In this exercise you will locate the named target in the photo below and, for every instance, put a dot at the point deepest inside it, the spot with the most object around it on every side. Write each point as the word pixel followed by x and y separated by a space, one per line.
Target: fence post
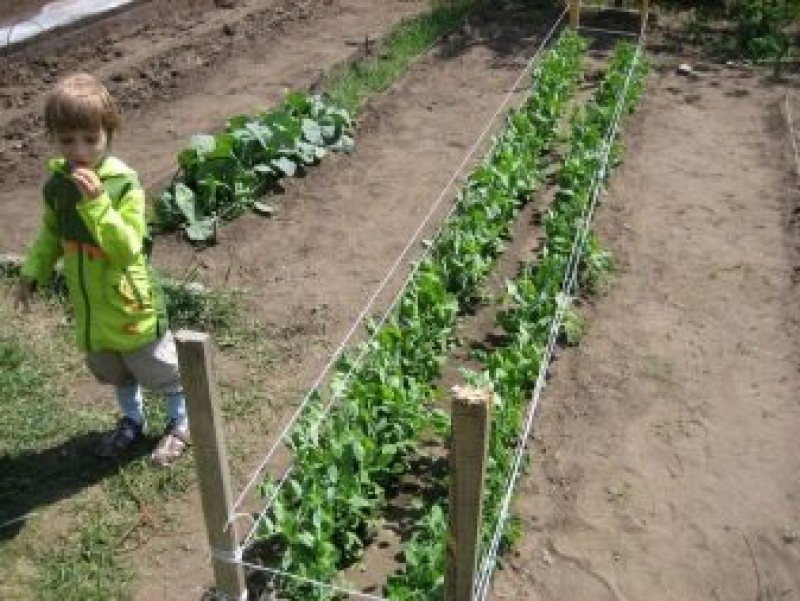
pixel 574 12
pixel 471 419
pixel 195 355
pixel 645 9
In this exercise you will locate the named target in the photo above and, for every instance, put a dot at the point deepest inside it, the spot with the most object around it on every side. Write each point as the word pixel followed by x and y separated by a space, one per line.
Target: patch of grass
pixel 190 305
pixel 351 86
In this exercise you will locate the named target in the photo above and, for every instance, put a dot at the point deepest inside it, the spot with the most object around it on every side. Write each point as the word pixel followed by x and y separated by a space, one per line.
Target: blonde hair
pixel 80 102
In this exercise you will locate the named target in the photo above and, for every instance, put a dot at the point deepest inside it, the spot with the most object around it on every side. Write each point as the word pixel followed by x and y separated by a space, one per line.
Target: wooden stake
pixel 574 12
pixel 195 355
pixel 471 416
pixel 645 9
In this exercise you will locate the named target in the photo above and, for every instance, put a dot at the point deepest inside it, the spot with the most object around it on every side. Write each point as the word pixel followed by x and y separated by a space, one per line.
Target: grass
pixel 352 85
pixel 66 518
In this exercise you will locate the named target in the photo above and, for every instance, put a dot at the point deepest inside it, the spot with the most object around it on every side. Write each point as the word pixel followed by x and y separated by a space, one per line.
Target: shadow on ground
pixel 36 479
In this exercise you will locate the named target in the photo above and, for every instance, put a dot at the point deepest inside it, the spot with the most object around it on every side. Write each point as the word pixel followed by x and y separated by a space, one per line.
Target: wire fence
pixel 488 561
pixel 564 300
pixel 358 323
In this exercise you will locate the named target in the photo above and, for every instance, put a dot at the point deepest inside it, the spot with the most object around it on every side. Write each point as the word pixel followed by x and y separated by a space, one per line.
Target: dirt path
pixel 666 463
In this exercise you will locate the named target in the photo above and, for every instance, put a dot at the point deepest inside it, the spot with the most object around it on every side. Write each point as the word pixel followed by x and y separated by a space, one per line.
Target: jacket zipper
pixel 85 299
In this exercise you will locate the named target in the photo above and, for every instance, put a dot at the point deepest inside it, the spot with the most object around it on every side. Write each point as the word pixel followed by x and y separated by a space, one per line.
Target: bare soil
pixel 665 456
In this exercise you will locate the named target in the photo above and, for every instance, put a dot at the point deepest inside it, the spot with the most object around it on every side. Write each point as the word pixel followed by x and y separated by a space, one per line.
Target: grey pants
pixel 153 366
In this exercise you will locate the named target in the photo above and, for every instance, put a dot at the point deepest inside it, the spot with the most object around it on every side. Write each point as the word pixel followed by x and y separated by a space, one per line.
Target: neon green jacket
pixel 118 304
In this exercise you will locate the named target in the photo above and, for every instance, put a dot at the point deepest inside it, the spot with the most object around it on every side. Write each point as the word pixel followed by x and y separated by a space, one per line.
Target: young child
pixel 94 217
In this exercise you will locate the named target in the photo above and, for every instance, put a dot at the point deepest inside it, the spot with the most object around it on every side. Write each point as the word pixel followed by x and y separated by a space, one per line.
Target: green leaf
pixel 202 143
pixel 287 166
pixel 184 199
pixel 307 539
pixel 203 230
pixel 312 132
pixel 263 208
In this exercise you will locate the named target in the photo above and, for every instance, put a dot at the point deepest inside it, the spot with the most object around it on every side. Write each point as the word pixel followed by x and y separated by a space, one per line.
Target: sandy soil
pixel 666 463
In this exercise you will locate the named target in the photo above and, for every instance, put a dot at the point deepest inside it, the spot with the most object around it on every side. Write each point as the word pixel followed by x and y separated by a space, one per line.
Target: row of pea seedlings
pixel 344 461
pixel 512 370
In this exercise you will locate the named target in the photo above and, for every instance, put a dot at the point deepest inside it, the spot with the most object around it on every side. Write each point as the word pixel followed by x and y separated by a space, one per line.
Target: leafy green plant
pixel 533 297
pixel 761 27
pixel 529 133
pixel 222 176
pixel 345 459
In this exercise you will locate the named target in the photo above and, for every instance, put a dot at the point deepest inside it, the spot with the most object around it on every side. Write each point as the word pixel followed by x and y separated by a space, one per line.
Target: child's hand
pixel 23 292
pixel 88 183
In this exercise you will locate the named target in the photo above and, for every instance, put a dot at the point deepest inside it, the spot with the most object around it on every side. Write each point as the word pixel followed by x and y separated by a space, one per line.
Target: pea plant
pixel 224 175
pixel 344 461
pixel 512 369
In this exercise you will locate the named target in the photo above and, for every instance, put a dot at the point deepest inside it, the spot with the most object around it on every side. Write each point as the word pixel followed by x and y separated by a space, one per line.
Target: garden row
pixel 221 176
pixel 512 369
pixel 345 459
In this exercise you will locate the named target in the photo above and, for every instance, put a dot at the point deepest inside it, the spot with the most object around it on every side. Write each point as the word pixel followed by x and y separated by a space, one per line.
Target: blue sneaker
pixel 119 440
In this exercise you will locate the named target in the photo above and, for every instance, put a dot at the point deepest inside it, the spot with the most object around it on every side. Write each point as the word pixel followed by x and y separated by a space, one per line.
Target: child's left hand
pixel 88 183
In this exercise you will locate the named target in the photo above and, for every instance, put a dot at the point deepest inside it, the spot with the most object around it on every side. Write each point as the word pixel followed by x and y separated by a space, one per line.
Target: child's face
pixel 81 148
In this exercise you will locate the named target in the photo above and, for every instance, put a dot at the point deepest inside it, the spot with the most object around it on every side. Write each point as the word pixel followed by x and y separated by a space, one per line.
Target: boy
pixel 94 217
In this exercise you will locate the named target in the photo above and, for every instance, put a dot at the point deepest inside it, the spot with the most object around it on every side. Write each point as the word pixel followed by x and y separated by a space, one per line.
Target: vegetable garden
pixel 354 440
pixel 408 470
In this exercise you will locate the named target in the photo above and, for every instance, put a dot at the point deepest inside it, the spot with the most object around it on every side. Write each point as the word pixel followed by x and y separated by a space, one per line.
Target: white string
pixel 18 519
pixel 487 565
pixel 412 241
pixel 793 136
pixel 251 534
pixel 232 556
pixel 236 516
pixel 310 581
pixel 609 31
pixel 601 7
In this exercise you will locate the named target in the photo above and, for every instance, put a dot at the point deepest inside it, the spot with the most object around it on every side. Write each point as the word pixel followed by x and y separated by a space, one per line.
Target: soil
pixel 665 453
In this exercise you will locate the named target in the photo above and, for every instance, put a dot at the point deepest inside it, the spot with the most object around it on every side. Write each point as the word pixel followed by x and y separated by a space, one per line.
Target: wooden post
pixel 195 355
pixel 574 12
pixel 471 414
pixel 645 9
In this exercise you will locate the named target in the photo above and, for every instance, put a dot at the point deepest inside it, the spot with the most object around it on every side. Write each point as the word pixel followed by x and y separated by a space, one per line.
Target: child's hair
pixel 80 102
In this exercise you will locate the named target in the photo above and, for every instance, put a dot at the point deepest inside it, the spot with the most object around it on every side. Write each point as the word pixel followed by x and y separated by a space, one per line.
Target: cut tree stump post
pixel 574 12
pixel 471 418
pixel 195 355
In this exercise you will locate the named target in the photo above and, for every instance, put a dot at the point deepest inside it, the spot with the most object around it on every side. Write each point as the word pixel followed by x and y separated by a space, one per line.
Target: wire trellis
pixel 488 561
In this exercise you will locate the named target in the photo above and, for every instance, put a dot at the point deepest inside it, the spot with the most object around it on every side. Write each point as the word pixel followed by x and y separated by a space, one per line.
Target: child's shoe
pixel 172 445
pixel 119 440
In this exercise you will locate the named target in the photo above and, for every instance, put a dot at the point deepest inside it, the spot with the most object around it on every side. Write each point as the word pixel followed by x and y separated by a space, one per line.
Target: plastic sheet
pixel 53 15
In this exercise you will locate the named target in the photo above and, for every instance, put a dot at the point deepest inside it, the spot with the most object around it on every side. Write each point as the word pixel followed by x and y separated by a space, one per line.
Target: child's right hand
pixel 23 293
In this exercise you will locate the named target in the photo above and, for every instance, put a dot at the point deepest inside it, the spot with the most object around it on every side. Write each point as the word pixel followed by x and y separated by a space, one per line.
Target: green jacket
pixel 118 304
